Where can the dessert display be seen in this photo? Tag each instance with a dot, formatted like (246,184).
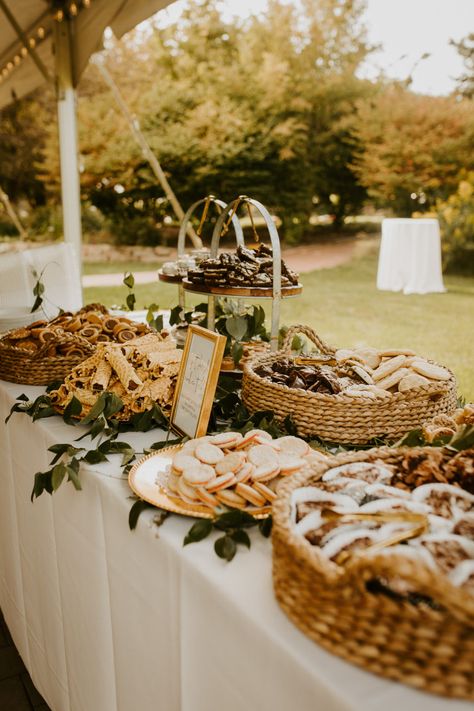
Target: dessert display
(93,323)
(417,504)
(244,268)
(141,372)
(235,470)
(360,373)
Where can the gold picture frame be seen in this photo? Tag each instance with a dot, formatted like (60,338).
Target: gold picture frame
(197,381)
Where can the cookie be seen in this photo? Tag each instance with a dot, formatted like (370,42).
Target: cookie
(182,461)
(390,353)
(188,493)
(293,446)
(231,499)
(244,473)
(363,374)
(231,463)
(413,380)
(430,370)
(370,356)
(198,475)
(392,379)
(226,440)
(265,491)
(250,494)
(221,482)
(208,453)
(263,454)
(206,497)
(388,367)
(290,463)
(266,472)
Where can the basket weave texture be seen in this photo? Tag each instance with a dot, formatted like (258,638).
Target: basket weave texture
(431,649)
(343,418)
(20,366)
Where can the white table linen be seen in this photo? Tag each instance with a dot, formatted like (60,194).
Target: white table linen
(410,256)
(111,620)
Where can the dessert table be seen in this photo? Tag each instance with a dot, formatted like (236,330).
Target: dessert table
(107,619)
(410,256)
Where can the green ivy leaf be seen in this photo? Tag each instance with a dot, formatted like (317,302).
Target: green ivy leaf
(113,404)
(199,530)
(96,410)
(237,352)
(59,472)
(158,323)
(225,548)
(42,483)
(463,439)
(138,507)
(234,519)
(414,438)
(37,303)
(129,280)
(236,327)
(72,410)
(175,315)
(72,471)
(94,457)
(242,537)
(130,301)
(265,526)
(60,449)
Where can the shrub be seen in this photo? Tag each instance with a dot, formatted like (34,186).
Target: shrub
(456,218)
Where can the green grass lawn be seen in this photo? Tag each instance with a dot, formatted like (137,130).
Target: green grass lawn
(345,308)
(119,267)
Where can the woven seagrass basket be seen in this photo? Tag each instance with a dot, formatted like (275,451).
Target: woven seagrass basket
(430,647)
(37,368)
(343,418)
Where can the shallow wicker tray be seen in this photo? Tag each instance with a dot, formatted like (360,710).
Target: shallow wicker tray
(36,368)
(344,418)
(432,649)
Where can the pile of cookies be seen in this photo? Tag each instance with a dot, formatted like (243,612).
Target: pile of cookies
(360,508)
(93,323)
(235,470)
(247,267)
(364,372)
(141,372)
(449,425)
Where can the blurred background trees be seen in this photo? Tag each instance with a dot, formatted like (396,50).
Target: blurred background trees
(270,106)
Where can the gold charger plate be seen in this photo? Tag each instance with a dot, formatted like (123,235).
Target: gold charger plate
(148,480)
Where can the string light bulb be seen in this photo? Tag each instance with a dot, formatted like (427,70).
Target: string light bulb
(41,32)
(59,16)
(24,51)
(17,59)
(73,9)
(32,42)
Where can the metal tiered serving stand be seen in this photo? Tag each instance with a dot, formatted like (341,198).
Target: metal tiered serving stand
(276,292)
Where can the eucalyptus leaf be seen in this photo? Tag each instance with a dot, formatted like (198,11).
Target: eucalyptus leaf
(199,530)
(37,303)
(58,474)
(225,548)
(236,327)
(73,476)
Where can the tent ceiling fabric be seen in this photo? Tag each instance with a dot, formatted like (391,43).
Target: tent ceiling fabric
(19,75)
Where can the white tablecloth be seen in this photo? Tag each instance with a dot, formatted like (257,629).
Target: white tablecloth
(111,620)
(410,256)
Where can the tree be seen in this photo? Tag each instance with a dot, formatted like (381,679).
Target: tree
(414,147)
(466,49)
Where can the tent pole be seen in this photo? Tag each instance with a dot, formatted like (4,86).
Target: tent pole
(68,144)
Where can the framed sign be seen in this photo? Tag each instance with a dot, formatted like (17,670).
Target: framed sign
(197,381)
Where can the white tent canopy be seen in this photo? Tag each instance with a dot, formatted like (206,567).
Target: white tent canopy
(52,40)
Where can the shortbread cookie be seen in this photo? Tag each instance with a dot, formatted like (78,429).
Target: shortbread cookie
(262,454)
(199,474)
(413,380)
(392,379)
(250,494)
(182,461)
(231,463)
(293,446)
(430,370)
(208,453)
(231,498)
(265,491)
(388,367)
(221,482)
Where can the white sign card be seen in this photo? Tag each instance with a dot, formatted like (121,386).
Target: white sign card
(197,381)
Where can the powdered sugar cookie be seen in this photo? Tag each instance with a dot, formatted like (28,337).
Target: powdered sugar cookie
(262,454)
(231,463)
(244,473)
(182,461)
(206,497)
(231,498)
(208,453)
(226,440)
(189,447)
(250,494)
(265,472)
(290,463)
(187,492)
(199,475)
(173,482)
(293,445)
(221,482)
(265,491)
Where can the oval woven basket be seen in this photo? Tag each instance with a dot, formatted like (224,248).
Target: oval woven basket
(431,648)
(343,418)
(37,368)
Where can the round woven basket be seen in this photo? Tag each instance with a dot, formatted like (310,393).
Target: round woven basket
(429,647)
(20,366)
(343,418)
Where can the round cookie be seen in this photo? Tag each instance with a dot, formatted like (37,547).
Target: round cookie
(182,461)
(187,492)
(293,445)
(231,498)
(231,463)
(262,454)
(198,475)
(221,482)
(250,494)
(290,463)
(265,472)
(206,497)
(244,473)
(226,440)
(265,491)
(208,453)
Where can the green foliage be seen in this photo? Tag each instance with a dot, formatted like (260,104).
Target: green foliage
(456,218)
(466,49)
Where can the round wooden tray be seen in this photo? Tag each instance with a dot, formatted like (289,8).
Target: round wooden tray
(169,279)
(254,292)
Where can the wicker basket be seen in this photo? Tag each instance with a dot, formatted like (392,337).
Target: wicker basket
(36,368)
(344,418)
(432,649)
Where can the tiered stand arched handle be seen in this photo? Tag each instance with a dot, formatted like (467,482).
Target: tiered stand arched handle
(231,209)
(313,337)
(207,201)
